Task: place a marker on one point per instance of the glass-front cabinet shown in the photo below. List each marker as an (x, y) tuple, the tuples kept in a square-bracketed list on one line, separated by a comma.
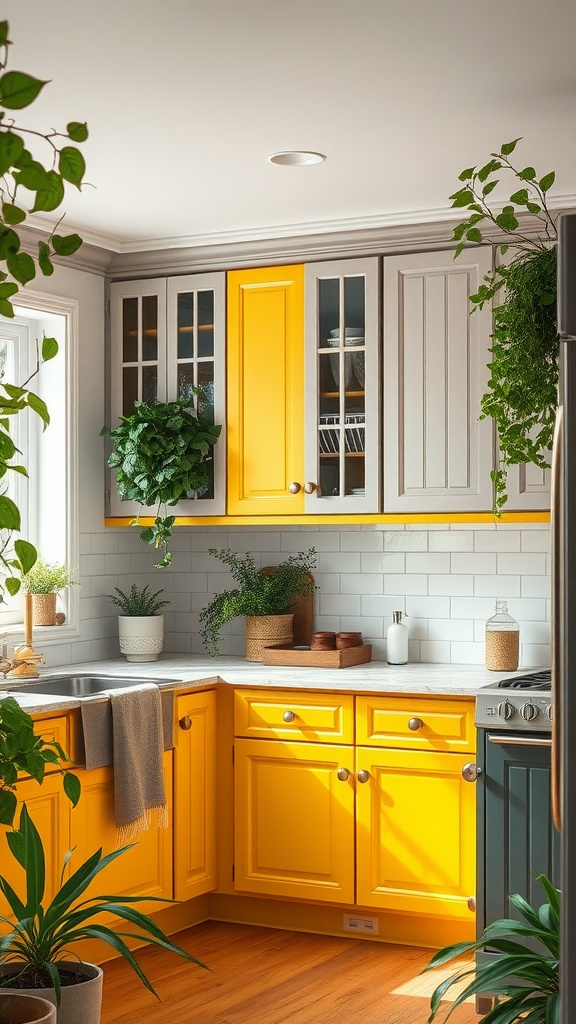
[(167, 339), (342, 446)]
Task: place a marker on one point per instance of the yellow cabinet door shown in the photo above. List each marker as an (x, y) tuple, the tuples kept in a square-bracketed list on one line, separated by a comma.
[(49, 809), (416, 825), (195, 847), (265, 390), (146, 869), (294, 820)]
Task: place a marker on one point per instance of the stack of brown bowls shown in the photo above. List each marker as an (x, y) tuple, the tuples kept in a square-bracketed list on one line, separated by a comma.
[(348, 640), (323, 641)]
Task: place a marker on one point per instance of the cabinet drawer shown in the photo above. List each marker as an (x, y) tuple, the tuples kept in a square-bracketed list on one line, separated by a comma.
[(290, 714), (416, 723)]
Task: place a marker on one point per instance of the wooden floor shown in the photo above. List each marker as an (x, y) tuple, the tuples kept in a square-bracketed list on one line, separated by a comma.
[(264, 976)]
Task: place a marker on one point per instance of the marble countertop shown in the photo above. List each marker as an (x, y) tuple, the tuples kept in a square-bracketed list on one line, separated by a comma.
[(189, 671)]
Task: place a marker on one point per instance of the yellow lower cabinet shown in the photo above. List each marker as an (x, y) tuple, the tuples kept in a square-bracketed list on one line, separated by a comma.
[(146, 869), (294, 819), (49, 809), (195, 770), (416, 827)]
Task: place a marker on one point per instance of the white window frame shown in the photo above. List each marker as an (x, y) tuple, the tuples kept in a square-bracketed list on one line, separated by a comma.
[(39, 307)]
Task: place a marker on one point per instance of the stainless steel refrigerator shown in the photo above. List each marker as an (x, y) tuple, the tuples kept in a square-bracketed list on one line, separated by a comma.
[(563, 519)]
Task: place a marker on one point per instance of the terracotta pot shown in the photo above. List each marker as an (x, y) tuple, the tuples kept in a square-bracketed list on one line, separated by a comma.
[(43, 609), (264, 631), (18, 1008), (141, 636), (80, 1003)]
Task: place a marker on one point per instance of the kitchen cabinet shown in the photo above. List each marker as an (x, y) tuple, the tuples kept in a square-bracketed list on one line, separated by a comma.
[(356, 800), (145, 869), (195, 777), (168, 337), (303, 389), (438, 453)]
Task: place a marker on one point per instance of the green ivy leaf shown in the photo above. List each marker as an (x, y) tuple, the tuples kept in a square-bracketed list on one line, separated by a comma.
[(44, 261), (12, 584), (49, 197), (509, 147), (26, 554), (9, 514), (21, 266), (77, 131), (39, 407), (12, 214), (527, 174), (49, 348), (71, 165), (18, 89), (520, 197), (32, 176), (507, 219), (72, 787), (11, 147), (4, 41), (547, 181), (489, 168), (65, 245), (490, 186), (474, 235), (533, 207), (467, 174)]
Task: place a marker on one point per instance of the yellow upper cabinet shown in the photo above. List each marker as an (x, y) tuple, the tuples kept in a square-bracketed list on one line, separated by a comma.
[(266, 391)]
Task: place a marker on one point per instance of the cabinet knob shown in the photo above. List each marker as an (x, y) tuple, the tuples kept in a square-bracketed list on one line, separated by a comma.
[(470, 772), (185, 723), (294, 487), (343, 774), (309, 487), (363, 775), (414, 724), (288, 716)]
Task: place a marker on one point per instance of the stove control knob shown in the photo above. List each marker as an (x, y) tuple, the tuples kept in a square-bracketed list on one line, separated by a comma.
[(506, 710), (529, 712)]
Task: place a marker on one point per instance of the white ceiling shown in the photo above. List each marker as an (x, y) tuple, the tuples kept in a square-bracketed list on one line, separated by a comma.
[(185, 99)]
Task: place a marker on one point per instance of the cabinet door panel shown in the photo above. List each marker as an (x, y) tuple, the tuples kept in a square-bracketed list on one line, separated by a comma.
[(265, 390), (438, 455), (295, 820), (195, 796), (416, 833)]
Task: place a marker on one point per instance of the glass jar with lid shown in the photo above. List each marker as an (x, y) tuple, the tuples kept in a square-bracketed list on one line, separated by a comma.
[(502, 640)]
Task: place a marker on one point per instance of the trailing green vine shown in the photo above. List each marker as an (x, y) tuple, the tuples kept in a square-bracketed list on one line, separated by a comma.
[(522, 393)]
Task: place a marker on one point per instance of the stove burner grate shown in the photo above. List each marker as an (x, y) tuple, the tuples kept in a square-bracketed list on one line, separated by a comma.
[(530, 681)]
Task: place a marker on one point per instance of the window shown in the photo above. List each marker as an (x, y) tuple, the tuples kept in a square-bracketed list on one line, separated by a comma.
[(48, 498)]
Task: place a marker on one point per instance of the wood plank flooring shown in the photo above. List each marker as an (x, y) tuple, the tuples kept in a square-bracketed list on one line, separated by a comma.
[(264, 976)]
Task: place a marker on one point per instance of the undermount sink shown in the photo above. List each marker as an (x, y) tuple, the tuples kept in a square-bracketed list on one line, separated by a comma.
[(81, 686)]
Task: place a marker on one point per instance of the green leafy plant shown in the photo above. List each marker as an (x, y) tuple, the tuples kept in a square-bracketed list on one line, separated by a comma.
[(257, 593), (522, 394), (21, 750), (27, 186), (161, 453), (48, 578), (43, 935), (524, 981), (138, 601)]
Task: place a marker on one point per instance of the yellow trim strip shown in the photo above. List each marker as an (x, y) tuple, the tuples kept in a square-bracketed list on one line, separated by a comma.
[(341, 520)]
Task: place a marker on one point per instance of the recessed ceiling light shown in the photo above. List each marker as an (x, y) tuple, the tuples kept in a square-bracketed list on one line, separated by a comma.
[(296, 158)]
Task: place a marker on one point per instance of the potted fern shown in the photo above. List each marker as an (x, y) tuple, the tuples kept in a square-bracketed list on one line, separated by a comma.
[(140, 627), (264, 598), (523, 980)]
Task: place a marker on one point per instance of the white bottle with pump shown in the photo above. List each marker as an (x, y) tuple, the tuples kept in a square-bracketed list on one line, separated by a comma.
[(397, 641)]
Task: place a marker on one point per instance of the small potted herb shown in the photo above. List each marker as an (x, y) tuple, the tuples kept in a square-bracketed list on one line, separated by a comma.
[(265, 598), (45, 581), (140, 627)]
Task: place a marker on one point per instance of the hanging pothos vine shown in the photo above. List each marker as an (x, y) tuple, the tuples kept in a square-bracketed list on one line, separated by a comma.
[(522, 393)]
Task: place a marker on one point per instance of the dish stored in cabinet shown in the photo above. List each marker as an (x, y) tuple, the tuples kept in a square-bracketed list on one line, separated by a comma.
[(291, 714), (415, 722)]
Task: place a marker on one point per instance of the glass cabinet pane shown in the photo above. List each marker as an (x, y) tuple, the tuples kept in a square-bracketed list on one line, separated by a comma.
[(149, 328), (139, 350)]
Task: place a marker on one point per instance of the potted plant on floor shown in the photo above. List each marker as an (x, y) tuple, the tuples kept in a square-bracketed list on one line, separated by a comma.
[(522, 394), (45, 581), (524, 981), (161, 455), (140, 627), (35, 953), (266, 599), (16, 1008)]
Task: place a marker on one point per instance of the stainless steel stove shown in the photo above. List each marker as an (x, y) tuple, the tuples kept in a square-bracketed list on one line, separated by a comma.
[(520, 703)]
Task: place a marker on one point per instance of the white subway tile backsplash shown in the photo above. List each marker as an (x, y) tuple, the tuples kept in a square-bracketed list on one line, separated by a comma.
[(428, 607), (523, 563), (365, 583), (451, 540), (501, 539), (476, 562), (428, 562), (497, 586), (451, 585), (406, 541), (406, 584)]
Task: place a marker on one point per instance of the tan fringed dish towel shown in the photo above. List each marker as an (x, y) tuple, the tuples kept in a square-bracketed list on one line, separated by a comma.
[(140, 717)]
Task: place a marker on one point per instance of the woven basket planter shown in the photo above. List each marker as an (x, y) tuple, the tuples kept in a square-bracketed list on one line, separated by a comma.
[(264, 630), (43, 609)]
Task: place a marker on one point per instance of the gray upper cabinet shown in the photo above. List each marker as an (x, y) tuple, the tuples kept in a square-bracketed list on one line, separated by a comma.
[(168, 337), (437, 453)]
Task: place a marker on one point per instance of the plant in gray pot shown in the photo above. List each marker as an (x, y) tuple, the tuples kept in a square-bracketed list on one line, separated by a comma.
[(140, 627), (35, 953)]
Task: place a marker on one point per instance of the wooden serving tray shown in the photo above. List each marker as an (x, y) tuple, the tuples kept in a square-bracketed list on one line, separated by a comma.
[(282, 654)]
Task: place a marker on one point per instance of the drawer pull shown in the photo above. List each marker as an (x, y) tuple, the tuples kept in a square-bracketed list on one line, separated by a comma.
[(363, 775), (470, 772), (414, 724), (288, 716), (185, 723), (343, 774), (471, 904), (310, 487), (294, 487)]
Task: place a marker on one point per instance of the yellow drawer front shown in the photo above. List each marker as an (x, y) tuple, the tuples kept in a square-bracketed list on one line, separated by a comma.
[(416, 723), (290, 714)]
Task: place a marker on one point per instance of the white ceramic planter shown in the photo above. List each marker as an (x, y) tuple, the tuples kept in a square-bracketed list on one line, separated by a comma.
[(141, 636), (79, 1004)]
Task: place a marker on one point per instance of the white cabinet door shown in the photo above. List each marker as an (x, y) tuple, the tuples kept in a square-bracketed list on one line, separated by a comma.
[(342, 430), (167, 336), (437, 453)]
